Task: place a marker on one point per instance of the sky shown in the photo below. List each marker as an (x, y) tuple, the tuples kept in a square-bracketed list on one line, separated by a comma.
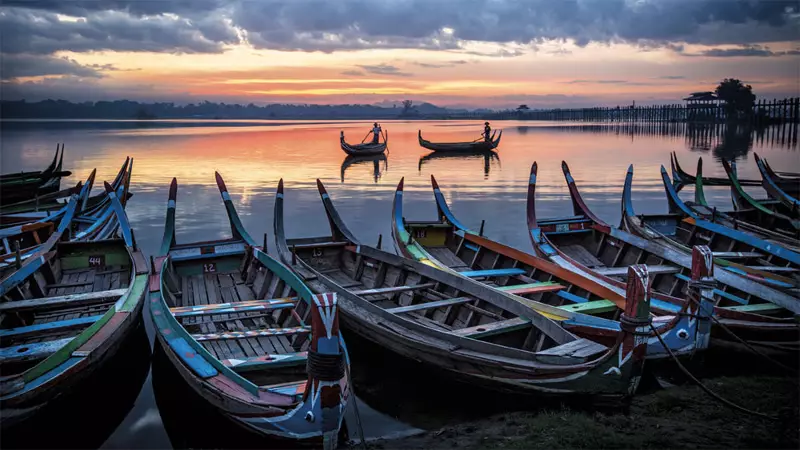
[(459, 53)]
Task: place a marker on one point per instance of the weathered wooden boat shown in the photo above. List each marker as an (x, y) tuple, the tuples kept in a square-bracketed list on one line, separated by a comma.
[(682, 178), (474, 146), (366, 149), (746, 220), (768, 177), (451, 323), (56, 200), (20, 186), (376, 160), (585, 244), (743, 253), (248, 336), (589, 307), (487, 156), (768, 213), (63, 314)]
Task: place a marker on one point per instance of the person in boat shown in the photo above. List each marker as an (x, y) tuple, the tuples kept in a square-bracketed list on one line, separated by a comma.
[(376, 132), (487, 132)]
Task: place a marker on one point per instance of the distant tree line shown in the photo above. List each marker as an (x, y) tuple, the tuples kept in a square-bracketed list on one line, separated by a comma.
[(127, 109)]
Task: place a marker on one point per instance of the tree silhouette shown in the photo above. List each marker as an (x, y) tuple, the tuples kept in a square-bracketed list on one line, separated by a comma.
[(738, 97), (407, 106), (521, 108)]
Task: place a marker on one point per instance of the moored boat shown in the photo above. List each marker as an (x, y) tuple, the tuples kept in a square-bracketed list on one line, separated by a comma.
[(366, 149), (682, 178), (248, 336), (768, 182), (63, 314), (584, 243), (16, 187), (474, 146), (587, 306), (451, 323), (769, 213)]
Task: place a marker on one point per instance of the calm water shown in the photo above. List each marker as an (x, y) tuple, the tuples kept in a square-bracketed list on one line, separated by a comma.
[(253, 156)]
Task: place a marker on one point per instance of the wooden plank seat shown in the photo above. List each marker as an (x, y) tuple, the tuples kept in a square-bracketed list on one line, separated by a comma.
[(719, 292), (756, 308), (394, 289), (430, 305), (251, 333), (737, 255), (87, 298), (507, 272), (265, 361), (623, 271), (493, 328), (575, 352), (32, 351), (593, 307), (774, 268), (531, 288), (234, 307), (48, 327)]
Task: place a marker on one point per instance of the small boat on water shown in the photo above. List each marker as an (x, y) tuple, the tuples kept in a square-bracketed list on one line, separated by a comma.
[(746, 220), (585, 244), (16, 187), (477, 145), (587, 306), (768, 213), (366, 149), (681, 178), (248, 336), (745, 254), (769, 183), (64, 313), (477, 334)]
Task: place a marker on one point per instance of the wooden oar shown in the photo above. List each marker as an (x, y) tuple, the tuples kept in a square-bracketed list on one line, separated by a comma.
[(386, 140), (365, 137)]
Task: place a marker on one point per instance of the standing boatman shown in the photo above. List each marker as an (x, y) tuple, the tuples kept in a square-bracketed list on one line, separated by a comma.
[(487, 132), (376, 133)]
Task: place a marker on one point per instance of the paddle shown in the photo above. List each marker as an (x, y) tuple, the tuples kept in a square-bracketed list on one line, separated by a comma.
[(365, 137), (386, 140)]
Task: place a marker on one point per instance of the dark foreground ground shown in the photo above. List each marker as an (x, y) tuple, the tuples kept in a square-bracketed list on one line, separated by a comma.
[(677, 417)]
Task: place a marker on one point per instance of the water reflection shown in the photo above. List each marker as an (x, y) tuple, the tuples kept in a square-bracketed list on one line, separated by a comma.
[(352, 160), (488, 158), (87, 416)]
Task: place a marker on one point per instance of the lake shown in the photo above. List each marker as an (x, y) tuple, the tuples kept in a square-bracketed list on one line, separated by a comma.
[(253, 155)]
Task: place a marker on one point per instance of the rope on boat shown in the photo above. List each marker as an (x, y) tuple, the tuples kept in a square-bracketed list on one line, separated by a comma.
[(747, 344), (325, 367), (355, 406), (705, 389)]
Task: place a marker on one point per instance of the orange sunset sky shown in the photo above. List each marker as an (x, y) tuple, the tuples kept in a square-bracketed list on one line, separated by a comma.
[(467, 53)]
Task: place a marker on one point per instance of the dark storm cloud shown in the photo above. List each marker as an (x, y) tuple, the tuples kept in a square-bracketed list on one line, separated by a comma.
[(16, 66), (384, 69), (744, 51), (324, 25)]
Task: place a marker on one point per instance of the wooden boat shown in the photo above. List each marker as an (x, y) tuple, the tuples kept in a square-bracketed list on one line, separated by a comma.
[(768, 213), (451, 323), (21, 186), (585, 244), (682, 178), (242, 329), (351, 160), (487, 156), (743, 253), (746, 220), (363, 149), (55, 201), (685, 328), (63, 314), (768, 177), (474, 146)]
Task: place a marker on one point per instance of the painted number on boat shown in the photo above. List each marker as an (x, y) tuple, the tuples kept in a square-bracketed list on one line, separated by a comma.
[(209, 267), (420, 234), (97, 261), (316, 253), (562, 227)]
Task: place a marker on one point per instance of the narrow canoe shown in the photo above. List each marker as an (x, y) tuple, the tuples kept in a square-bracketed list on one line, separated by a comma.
[(63, 314), (768, 213), (474, 146), (681, 178), (743, 253), (748, 220), (22, 186), (584, 243), (768, 181), (363, 149), (589, 307), (248, 336), (449, 322)]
